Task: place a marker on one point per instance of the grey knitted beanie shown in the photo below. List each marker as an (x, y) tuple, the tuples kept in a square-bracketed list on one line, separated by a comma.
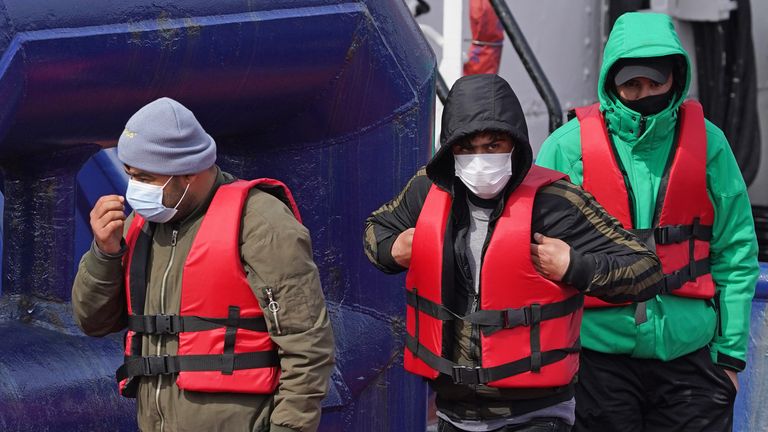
[(164, 137)]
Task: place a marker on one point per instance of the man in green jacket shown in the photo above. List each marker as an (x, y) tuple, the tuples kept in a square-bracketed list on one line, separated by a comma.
[(669, 363), (261, 269)]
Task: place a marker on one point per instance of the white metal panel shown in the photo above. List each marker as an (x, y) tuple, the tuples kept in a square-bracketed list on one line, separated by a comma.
[(696, 10), (758, 191), (451, 63)]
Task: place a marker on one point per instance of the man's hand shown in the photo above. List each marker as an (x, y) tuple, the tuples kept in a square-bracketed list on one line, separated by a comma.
[(107, 218), (732, 375), (401, 248), (550, 256)]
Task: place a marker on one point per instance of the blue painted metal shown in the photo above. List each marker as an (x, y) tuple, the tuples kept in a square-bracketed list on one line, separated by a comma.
[(749, 412), (333, 97)]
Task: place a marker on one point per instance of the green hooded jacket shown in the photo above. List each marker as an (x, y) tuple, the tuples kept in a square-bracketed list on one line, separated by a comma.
[(676, 326)]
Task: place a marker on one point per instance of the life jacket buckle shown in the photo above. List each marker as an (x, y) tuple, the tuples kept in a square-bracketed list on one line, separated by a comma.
[(516, 317), (165, 324), (468, 375), (673, 281), (155, 365)]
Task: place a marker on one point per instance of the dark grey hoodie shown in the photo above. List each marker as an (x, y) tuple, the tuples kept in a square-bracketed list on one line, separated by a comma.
[(481, 103)]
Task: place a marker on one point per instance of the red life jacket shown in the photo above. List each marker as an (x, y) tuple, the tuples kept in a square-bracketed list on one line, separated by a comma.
[(224, 345), (683, 217), (529, 324)]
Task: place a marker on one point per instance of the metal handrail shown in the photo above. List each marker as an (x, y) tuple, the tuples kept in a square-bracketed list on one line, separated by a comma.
[(441, 87), (530, 63)]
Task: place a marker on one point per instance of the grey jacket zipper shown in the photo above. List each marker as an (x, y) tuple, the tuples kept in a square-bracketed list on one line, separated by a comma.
[(174, 234)]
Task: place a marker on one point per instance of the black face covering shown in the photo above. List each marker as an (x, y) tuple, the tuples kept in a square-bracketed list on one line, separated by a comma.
[(650, 105)]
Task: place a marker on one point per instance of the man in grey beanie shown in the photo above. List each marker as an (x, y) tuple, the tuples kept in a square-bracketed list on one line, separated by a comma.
[(213, 278)]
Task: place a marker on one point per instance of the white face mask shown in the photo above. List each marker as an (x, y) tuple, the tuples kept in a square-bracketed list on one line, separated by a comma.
[(147, 201), (485, 175)]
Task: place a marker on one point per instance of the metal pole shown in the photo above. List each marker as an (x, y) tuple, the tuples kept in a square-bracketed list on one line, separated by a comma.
[(530, 63), (442, 87)]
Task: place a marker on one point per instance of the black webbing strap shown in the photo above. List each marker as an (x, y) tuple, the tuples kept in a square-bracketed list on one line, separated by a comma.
[(670, 234), (229, 340), (686, 274), (479, 375), (417, 309), (536, 338), (491, 321), (137, 276), (163, 365), (173, 324), (139, 265), (419, 303)]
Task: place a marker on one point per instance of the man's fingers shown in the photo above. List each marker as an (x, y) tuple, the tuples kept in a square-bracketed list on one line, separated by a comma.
[(109, 198), (112, 215), (107, 203), (540, 238), (534, 250), (114, 225), (110, 206)]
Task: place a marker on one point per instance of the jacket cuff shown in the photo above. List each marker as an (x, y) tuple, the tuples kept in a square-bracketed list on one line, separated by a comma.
[(729, 362), (102, 266), (580, 271), (105, 256), (385, 255), (278, 428)]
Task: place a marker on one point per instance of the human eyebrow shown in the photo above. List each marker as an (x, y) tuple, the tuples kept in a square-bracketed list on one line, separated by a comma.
[(139, 176)]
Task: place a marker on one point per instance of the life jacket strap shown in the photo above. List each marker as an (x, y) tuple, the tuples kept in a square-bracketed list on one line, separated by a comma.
[(492, 321), (689, 273), (671, 234), (173, 324), (461, 374), (164, 365)]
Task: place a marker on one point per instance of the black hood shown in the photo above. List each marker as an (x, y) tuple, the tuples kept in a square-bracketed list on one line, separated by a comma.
[(481, 103)]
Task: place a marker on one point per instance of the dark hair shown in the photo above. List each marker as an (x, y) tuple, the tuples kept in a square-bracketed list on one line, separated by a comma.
[(466, 140)]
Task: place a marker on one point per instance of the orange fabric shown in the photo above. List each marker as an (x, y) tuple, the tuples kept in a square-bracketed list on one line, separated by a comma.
[(486, 27)]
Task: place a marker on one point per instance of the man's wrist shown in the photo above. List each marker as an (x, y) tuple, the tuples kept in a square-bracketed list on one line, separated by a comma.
[(581, 270), (109, 256), (385, 254)]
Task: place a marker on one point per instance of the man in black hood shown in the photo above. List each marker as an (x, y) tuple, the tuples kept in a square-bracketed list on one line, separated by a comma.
[(498, 255)]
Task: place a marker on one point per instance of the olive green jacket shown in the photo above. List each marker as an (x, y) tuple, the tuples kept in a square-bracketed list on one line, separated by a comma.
[(276, 252)]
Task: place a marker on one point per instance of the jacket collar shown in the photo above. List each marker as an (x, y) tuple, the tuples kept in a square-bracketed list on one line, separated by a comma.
[(221, 179), (640, 132)]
